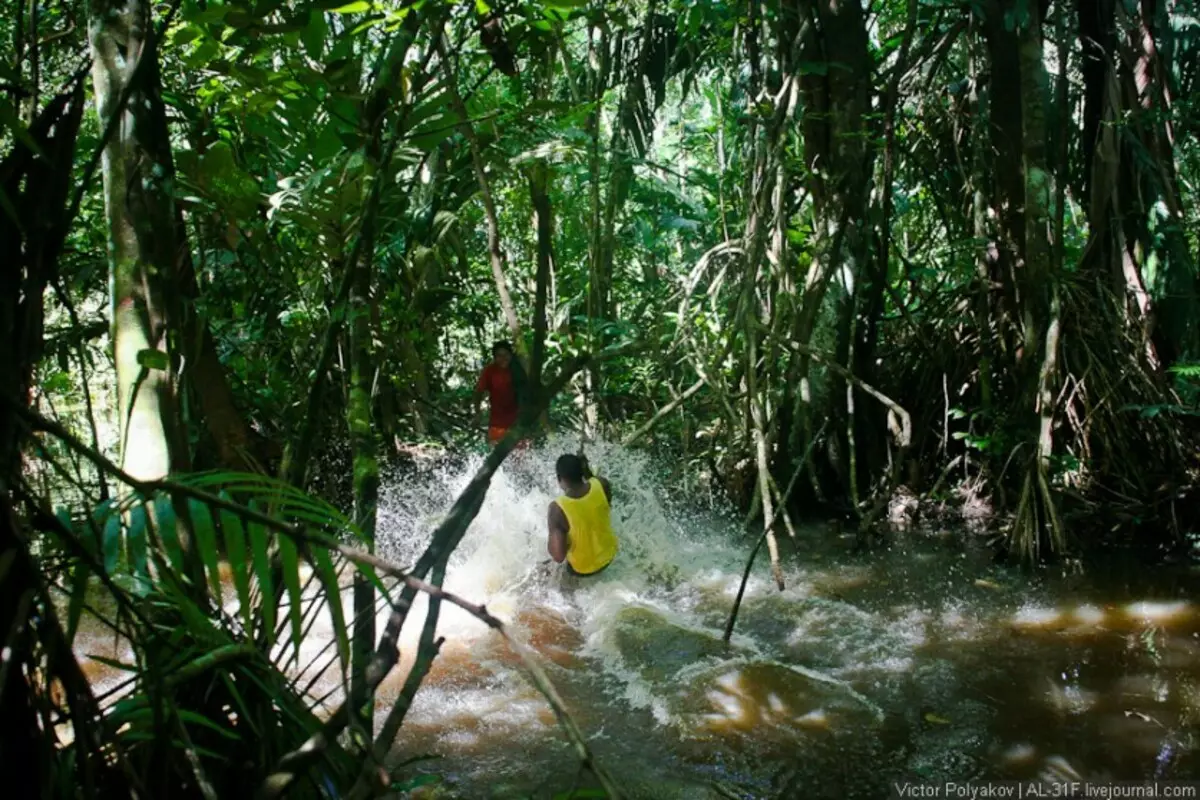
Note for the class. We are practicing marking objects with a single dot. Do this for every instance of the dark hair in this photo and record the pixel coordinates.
(569, 467)
(502, 346)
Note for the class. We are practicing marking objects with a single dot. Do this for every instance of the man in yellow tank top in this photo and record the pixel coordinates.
(580, 522)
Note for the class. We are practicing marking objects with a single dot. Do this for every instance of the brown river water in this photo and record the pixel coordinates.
(919, 661)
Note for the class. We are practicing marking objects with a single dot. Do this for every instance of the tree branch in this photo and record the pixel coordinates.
(664, 411)
(495, 252)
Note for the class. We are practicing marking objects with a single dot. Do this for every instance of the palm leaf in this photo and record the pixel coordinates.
(135, 540)
(199, 719)
(274, 493)
(235, 549)
(206, 543)
(329, 580)
(79, 581)
(290, 560)
(168, 530)
(262, 573)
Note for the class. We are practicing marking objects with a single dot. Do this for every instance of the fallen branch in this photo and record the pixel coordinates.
(428, 648)
(904, 435)
(495, 251)
(937, 485)
(737, 602)
(445, 539)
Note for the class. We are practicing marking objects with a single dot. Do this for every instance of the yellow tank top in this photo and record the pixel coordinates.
(591, 544)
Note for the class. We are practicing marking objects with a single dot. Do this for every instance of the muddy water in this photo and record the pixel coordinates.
(920, 661)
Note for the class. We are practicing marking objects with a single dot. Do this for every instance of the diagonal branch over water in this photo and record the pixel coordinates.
(445, 540)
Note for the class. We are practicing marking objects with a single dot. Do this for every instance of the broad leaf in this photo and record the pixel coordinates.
(151, 358)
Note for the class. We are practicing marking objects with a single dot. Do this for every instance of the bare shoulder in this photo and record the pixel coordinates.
(607, 486)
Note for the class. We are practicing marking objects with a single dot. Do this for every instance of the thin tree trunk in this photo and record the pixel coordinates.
(1039, 293)
(539, 192)
(29, 250)
(364, 447)
(295, 464)
(359, 406)
(839, 155)
(140, 210)
(986, 266)
(495, 250)
(598, 61)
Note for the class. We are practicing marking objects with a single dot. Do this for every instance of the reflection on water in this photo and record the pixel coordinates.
(923, 660)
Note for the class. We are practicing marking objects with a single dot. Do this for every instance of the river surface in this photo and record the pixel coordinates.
(919, 661)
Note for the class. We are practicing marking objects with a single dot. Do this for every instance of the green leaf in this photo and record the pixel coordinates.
(262, 573)
(205, 535)
(373, 577)
(112, 543)
(198, 622)
(104, 510)
(243, 711)
(150, 358)
(205, 52)
(187, 33)
(235, 548)
(356, 7)
(112, 662)
(64, 518)
(10, 119)
(198, 719)
(314, 33)
(238, 18)
(135, 541)
(79, 582)
(289, 557)
(416, 782)
(1186, 370)
(323, 563)
(168, 530)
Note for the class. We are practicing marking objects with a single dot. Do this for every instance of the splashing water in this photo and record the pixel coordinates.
(920, 661)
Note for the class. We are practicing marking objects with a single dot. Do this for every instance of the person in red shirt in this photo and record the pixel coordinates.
(497, 381)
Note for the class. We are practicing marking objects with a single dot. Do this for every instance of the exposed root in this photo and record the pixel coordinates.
(1036, 520)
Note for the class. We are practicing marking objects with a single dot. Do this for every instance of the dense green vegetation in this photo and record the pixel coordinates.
(823, 253)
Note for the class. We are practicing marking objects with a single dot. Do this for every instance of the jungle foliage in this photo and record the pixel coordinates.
(823, 254)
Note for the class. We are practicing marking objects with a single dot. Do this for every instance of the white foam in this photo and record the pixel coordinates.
(1034, 617)
(1152, 611)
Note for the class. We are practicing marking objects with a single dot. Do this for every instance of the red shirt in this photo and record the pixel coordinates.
(497, 382)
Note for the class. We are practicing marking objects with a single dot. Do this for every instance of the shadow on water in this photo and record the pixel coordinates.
(921, 660)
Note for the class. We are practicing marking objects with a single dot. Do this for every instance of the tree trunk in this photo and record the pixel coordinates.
(29, 251)
(238, 445)
(839, 154)
(1137, 244)
(140, 209)
(539, 192)
(1020, 90)
(364, 448)
(359, 406)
